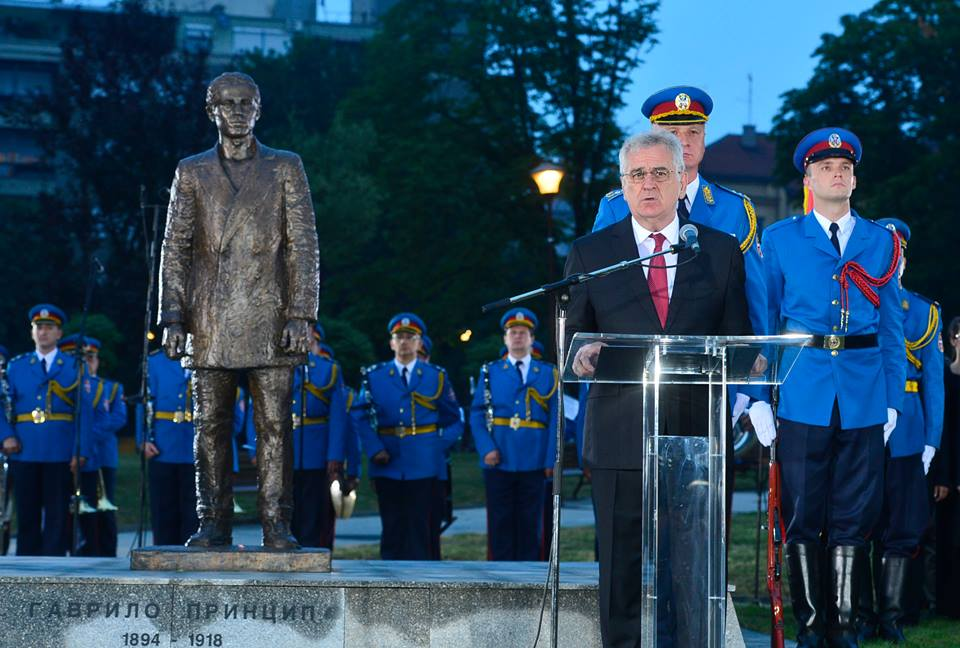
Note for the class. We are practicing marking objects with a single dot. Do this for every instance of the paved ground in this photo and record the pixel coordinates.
(366, 529)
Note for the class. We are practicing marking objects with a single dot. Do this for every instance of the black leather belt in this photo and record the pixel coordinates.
(838, 342)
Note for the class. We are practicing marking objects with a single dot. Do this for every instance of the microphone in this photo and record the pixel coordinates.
(688, 236)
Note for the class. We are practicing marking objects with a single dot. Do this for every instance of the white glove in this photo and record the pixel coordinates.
(928, 453)
(761, 415)
(891, 423)
(739, 407)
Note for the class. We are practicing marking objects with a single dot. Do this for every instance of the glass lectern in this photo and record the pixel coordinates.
(684, 464)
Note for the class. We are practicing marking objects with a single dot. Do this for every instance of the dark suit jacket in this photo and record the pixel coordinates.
(708, 299)
(237, 265)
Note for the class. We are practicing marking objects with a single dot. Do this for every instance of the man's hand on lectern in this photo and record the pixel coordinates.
(585, 362)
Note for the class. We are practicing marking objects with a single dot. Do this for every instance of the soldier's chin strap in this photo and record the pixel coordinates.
(853, 271)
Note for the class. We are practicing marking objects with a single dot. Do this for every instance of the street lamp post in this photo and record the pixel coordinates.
(548, 176)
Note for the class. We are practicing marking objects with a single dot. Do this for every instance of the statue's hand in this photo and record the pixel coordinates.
(295, 338)
(174, 341)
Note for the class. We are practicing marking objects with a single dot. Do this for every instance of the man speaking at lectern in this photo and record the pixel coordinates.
(676, 294)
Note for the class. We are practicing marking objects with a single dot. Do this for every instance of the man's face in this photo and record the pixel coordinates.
(652, 200)
(692, 137)
(236, 110)
(45, 335)
(405, 346)
(93, 363)
(830, 180)
(315, 346)
(519, 340)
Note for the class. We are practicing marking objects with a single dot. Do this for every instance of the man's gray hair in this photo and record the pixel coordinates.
(648, 140)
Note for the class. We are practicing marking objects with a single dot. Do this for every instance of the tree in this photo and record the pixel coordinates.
(124, 106)
(893, 77)
(462, 100)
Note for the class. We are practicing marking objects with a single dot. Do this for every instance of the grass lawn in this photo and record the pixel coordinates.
(465, 468)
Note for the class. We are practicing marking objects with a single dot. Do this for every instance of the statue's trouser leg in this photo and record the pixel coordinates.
(214, 393)
(272, 390)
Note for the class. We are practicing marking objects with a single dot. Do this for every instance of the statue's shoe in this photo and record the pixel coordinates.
(212, 533)
(276, 535)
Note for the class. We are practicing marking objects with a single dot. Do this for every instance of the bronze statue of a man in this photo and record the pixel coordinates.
(239, 284)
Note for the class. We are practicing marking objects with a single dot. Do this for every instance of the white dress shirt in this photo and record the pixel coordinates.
(846, 224)
(525, 367)
(645, 246)
(692, 188)
(409, 367)
(50, 357)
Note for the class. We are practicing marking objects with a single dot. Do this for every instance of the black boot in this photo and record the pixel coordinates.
(844, 580)
(866, 616)
(213, 532)
(893, 581)
(804, 569)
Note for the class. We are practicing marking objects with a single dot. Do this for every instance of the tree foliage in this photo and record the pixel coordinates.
(893, 77)
(124, 106)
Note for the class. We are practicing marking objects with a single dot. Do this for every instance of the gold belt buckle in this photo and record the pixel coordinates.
(39, 416)
(832, 342)
(178, 417)
(188, 417)
(401, 431)
(296, 419)
(515, 422)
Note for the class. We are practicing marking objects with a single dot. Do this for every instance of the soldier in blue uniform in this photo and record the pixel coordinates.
(831, 273)
(44, 386)
(320, 429)
(169, 450)
(514, 422)
(408, 402)
(911, 446)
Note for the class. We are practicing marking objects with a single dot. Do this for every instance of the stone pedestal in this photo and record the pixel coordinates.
(84, 602)
(237, 558)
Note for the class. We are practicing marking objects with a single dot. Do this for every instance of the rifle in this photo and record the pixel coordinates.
(78, 506)
(369, 404)
(775, 536)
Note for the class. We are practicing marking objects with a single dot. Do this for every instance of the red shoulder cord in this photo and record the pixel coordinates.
(856, 273)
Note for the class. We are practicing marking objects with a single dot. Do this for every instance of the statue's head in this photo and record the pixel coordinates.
(233, 104)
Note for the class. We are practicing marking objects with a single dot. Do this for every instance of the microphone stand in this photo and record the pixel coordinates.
(145, 397)
(561, 289)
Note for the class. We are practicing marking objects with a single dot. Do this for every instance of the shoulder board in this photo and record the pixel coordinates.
(543, 364)
(22, 356)
(925, 300)
(613, 194)
(875, 224)
(155, 352)
(780, 224)
(436, 368)
(730, 191)
(748, 208)
(375, 367)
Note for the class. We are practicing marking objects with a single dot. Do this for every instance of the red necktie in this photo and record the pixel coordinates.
(657, 279)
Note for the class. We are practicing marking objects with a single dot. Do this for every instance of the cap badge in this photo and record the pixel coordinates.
(891, 227)
(44, 312)
(405, 321)
(682, 102)
(834, 140)
(519, 317)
